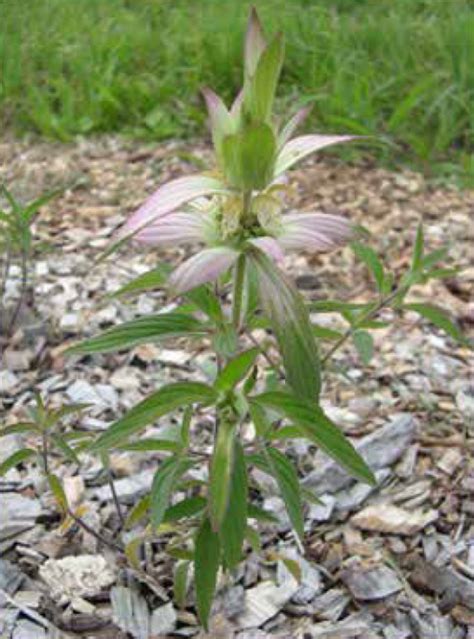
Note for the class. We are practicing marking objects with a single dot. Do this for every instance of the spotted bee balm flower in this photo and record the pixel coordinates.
(240, 206)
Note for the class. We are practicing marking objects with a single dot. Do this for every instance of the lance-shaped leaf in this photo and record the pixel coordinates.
(236, 370)
(207, 301)
(223, 122)
(222, 464)
(259, 92)
(180, 583)
(15, 459)
(164, 481)
(151, 328)
(287, 479)
(371, 260)
(291, 325)
(254, 43)
(149, 281)
(249, 157)
(311, 421)
(364, 344)
(299, 148)
(169, 197)
(163, 401)
(206, 565)
(188, 507)
(418, 249)
(234, 524)
(291, 126)
(58, 492)
(439, 318)
(205, 266)
(148, 445)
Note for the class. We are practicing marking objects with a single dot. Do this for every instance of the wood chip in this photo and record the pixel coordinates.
(386, 518)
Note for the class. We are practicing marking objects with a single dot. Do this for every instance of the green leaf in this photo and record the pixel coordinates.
(154, 279)
(163, 401)
(15, 459)
(434, 257)
(334, 306)
(64, 447)
(312, 423)
(287, 479)
(439, 318)
(138, 512)
(33, 207)
(225, 341)
(259, 92)
(207, 301)
(370, 259)
(292, 327)
(418, 249)
(206, 565)
(235, 370)
(249, 157)
(148, 445)
(58, 492)
(20, 428)
(262, 423)
(364, 344)
(286, 432)
(180, 583)
(151, 328)
(188, 507)
(234, 524)
(255, 512)
(186, 427)
(132, 552)
(54, 416)
(253, 538)
(220, 474)
(165, 479)
(322, 332)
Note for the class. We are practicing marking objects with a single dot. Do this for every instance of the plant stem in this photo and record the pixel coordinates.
(44, 452)
(368, 315)
(80, 522)
(115, 498)
(24, 284)
(3, 286)
(238, 292)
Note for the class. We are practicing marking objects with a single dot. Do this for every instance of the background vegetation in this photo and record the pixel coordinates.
(400, 69)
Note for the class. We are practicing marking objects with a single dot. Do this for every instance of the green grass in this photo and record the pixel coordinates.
(400, 69)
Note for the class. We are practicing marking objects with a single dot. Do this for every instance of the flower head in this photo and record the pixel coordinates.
(241, 205)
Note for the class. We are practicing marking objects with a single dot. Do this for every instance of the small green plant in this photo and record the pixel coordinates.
(16, 248)
(223, 293)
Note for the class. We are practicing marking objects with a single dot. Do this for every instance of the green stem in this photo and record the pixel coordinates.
(370, 314)
(238, 291)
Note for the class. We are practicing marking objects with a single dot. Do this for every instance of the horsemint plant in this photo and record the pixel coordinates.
(237, 213)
